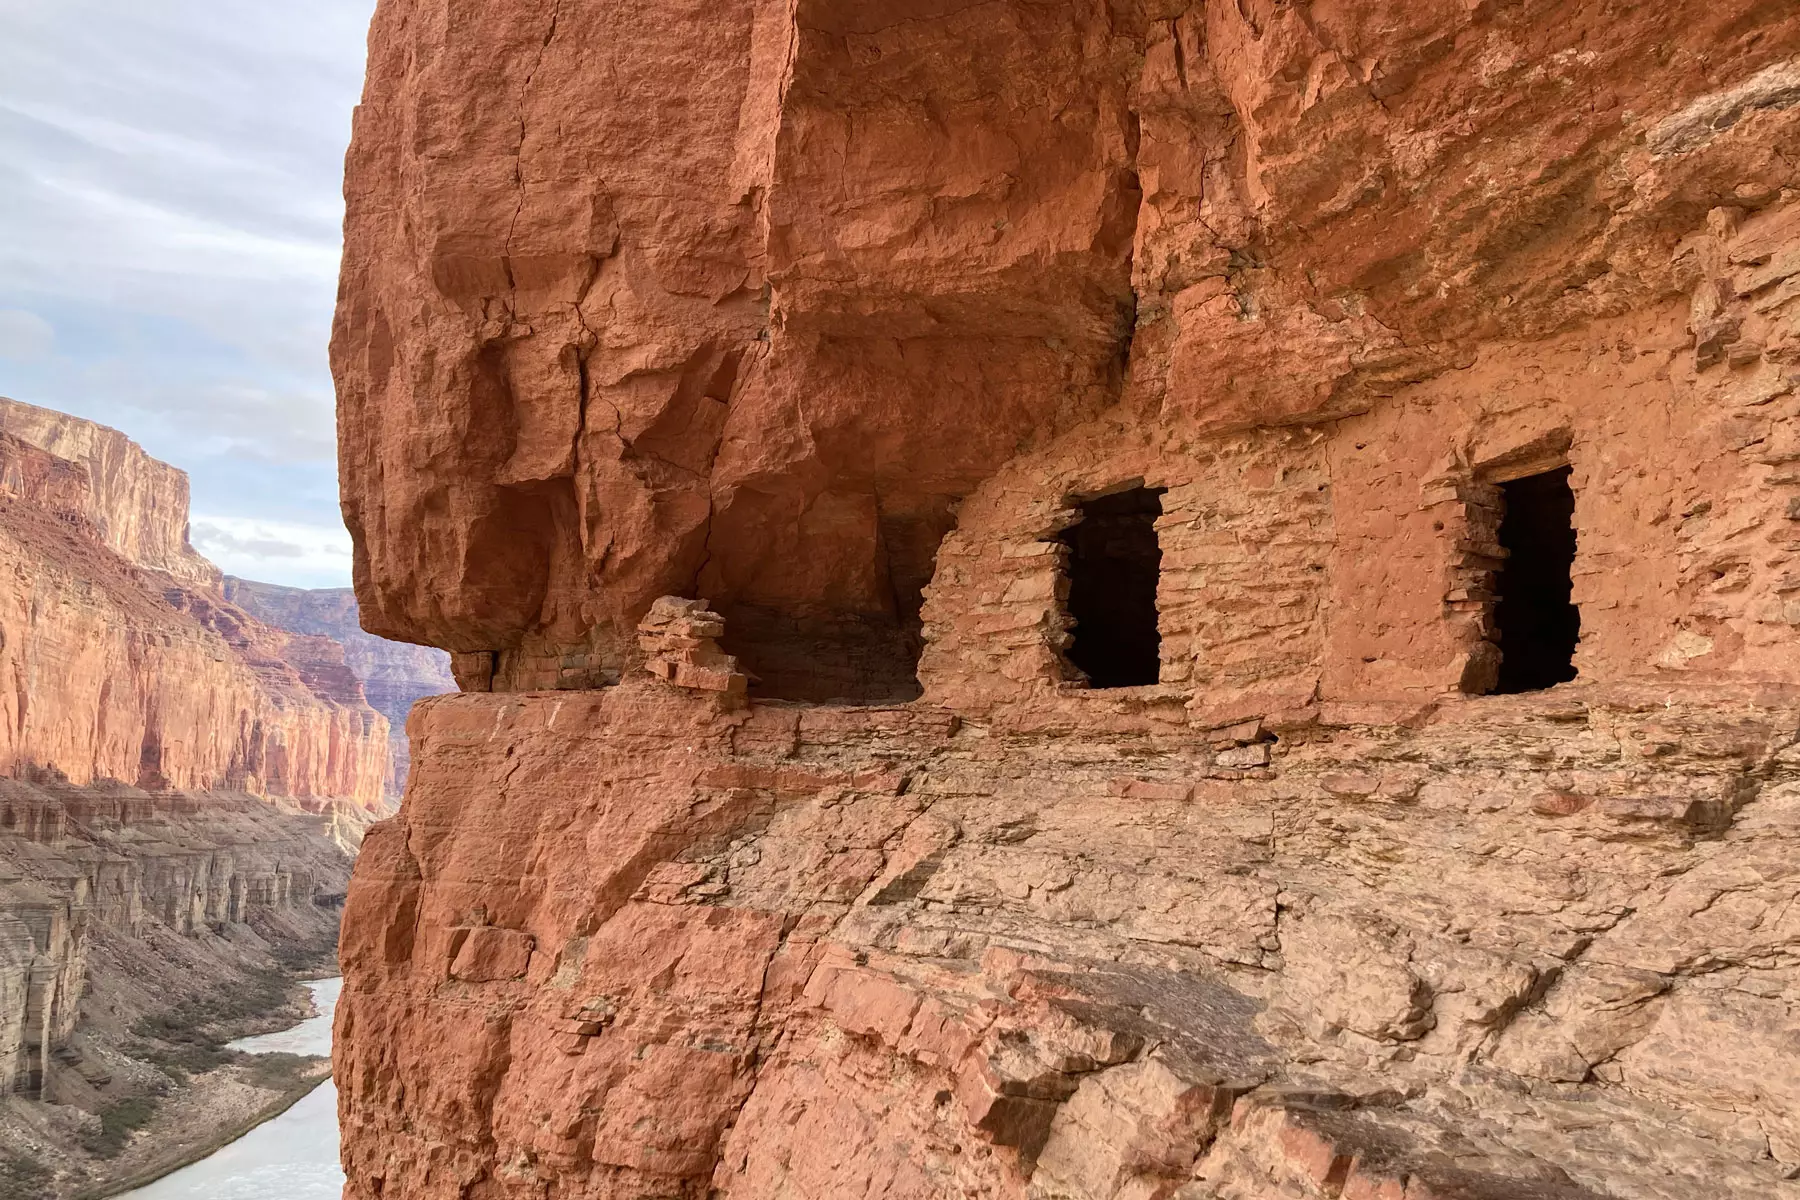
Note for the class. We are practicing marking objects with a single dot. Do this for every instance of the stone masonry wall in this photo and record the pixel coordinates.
(1245, 537)
(758, 354)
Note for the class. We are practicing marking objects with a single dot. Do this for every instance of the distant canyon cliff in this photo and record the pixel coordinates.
(172, 769)
(394, 675)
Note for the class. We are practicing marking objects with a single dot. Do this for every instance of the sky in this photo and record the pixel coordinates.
(170, 224)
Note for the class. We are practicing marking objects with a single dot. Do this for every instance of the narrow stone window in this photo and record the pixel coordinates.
(1114, 561)
(1537, 621)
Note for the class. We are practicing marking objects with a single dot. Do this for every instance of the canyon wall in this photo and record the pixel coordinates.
(82, 865)
(139, 930)
(394, 675)
(181, 787)
(116, 670)
(139, 505)
(849, 318)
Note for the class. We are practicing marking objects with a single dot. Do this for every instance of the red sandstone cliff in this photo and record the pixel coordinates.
(116, 670)
(846, 316)
(139, 505)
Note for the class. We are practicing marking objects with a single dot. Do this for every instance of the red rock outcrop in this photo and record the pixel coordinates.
(394, 675)
(849, 317)
(115, 671)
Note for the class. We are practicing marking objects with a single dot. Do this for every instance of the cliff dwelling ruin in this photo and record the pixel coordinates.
(1249, 644)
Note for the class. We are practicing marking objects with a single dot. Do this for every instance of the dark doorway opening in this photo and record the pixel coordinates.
(1114, 561)
(1537, 621)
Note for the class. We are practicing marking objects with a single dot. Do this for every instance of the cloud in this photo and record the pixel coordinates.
(168, 261)
(24, 335)
(258, 549)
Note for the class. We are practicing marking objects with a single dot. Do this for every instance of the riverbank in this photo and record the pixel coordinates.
(150, 1080)
(289, 1151)
(218, 1139)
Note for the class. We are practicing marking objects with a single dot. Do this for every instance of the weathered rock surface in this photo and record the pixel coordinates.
(1535, 947)
(591, 352)
(79, 859)
(394, 675)
(836, 314)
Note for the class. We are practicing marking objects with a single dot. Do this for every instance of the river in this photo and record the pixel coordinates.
(293, 1157)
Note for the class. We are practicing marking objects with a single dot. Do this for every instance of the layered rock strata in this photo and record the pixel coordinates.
(79, 865)
(180, 787)
(138, 505)
(844, 316)
(139, 931)
(394, 675)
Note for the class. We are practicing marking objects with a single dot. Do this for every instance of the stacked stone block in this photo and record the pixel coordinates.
(681, 639)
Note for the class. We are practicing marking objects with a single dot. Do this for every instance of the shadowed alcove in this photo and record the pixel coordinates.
(819, 655)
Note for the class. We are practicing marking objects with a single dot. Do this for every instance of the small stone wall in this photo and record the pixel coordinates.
(1245, 536)
(1356, 559)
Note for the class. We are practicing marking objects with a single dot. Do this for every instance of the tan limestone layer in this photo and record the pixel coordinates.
(81, 864)
(134, 928)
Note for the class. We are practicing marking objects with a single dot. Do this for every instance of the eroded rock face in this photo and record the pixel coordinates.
(114, 865)
(1534, 943)
(591, 353)
(839, 315)
(138, 504)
